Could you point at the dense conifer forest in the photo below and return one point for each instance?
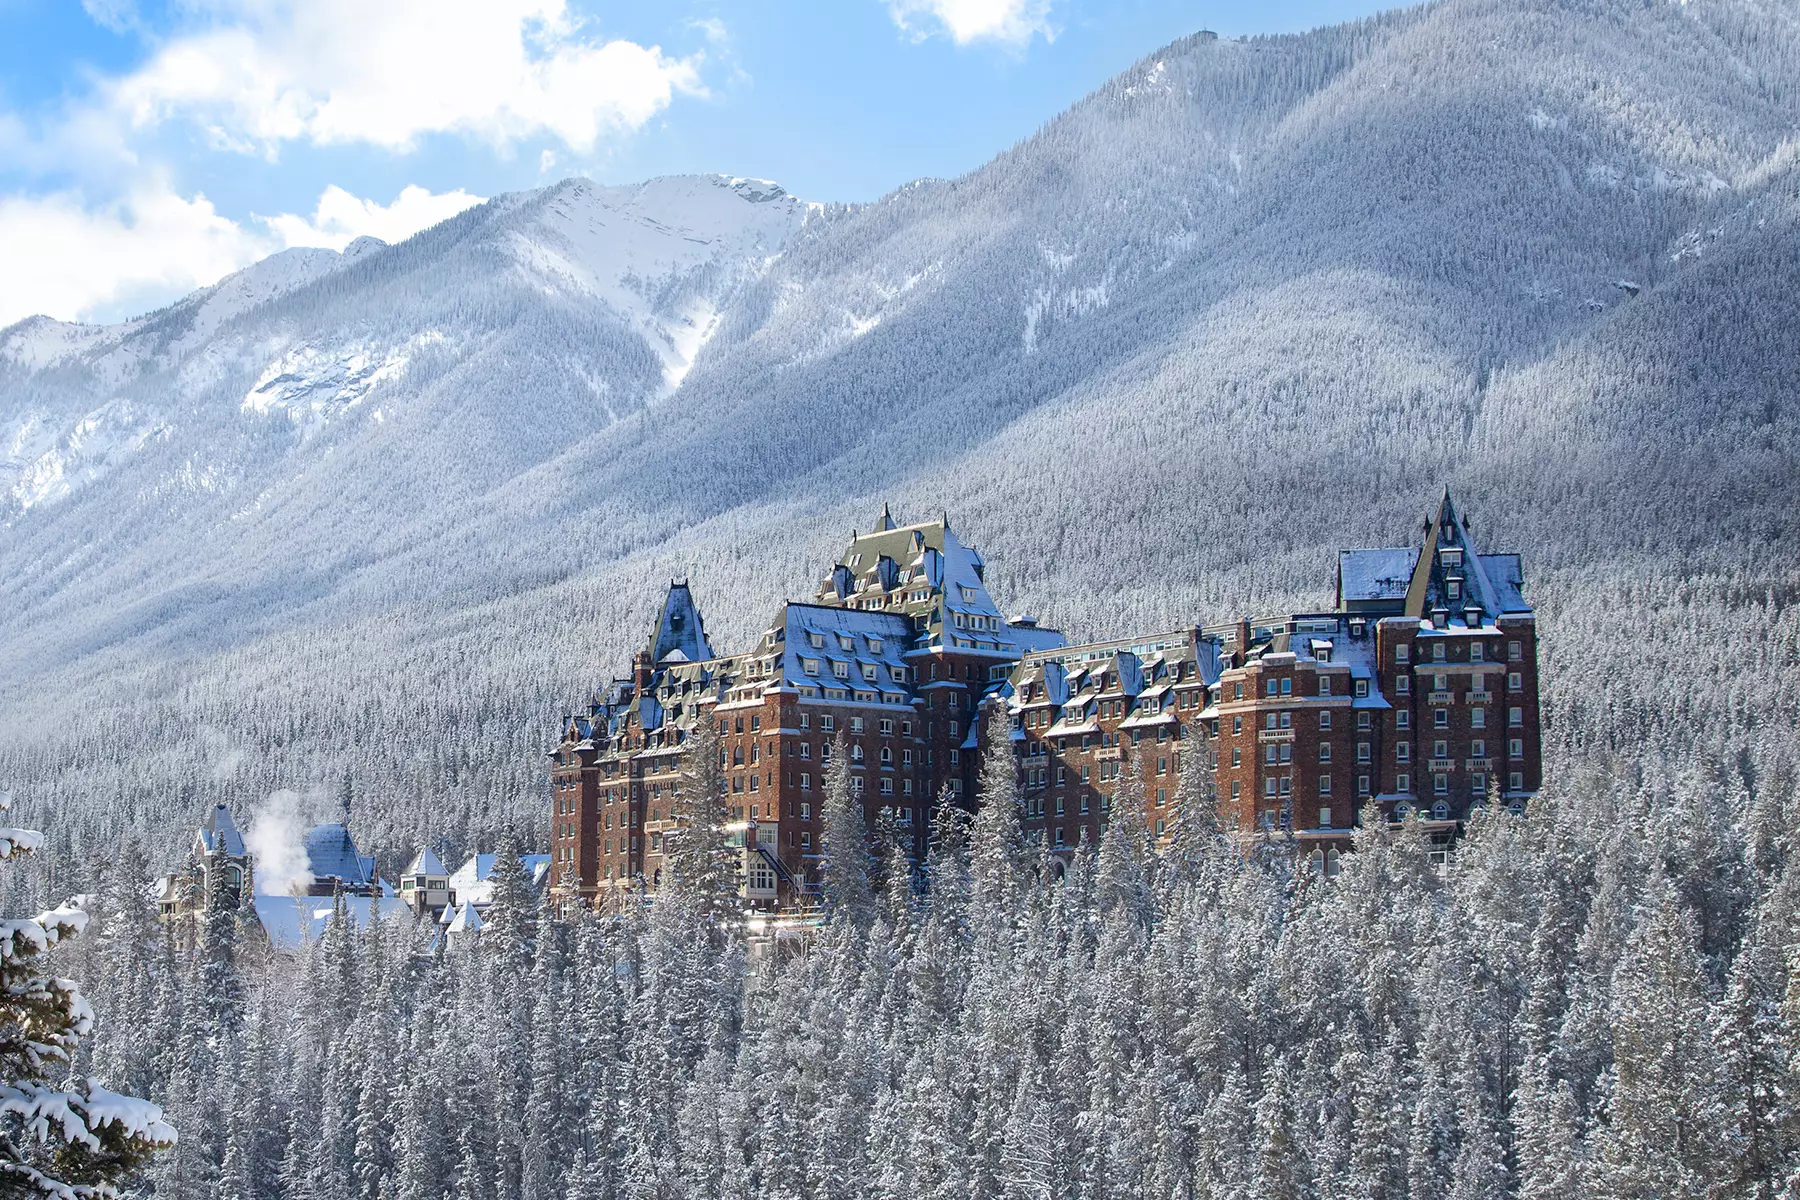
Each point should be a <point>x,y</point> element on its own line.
<point>1251,302</point>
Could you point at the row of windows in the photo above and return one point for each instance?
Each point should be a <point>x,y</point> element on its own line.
<point>1515,652</point>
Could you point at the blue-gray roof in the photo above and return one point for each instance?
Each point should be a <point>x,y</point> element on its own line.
<point>331,854</point>
<point>1373,575</point>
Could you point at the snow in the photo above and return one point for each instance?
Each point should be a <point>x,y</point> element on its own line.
<point>293,921</point>
<point>19,841</point>
<point>314,385</point>
<point>644,250</point>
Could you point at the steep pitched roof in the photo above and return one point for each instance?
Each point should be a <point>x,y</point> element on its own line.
<point>331,854</point>
<point>219,835</point>
<point>680,633</point>
<point>425,863</point>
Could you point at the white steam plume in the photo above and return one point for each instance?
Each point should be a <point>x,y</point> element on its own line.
<point>276,841</point>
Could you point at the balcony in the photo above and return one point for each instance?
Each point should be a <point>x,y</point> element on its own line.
<point>1481,697</point>
<point>1441,698</point>
<point>1109,754</point>
<point>1274,735</point>
<point>1478,764</point>
<point>1440,766</point>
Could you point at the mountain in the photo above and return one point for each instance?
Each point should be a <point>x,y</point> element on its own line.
<point>372,526</point>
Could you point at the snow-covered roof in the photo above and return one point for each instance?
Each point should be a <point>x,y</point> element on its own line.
<point>466,920</point>
<point>473,881</point>
<point>425,862</point>
<point>1366,576</point>
<point>219,835</point>
<point>877,640</point>
<point>292,921</point>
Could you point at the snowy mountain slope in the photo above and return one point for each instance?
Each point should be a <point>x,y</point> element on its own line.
<point>1248,302</point>
<point>307,335</point>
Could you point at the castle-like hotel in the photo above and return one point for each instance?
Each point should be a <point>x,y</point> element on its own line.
<point>1418,691</point>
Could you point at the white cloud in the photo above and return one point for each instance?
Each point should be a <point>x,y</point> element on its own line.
<point>1014,22</point>
<point>74,261</point>
<point>388,73</point>
<point>68,261</point>
<point>341,218</point>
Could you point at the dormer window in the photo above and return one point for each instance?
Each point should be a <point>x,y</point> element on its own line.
<point>1454,588</point>
<point>846,642</point>
<point>1452,558</point>
<point>815,639</point>
<point>1472,616</point>
<point>1440,618</point>
<point>874,645</point>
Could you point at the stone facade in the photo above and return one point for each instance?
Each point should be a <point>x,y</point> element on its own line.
<point>1417,691</point>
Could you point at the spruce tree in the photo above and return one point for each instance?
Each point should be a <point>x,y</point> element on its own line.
<point>848,896</point>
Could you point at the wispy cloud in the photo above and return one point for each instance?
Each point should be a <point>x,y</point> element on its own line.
<point>1011,22</point>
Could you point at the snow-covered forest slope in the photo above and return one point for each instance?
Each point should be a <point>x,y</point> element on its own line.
<point>365,525</point>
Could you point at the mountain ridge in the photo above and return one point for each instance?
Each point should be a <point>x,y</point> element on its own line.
<point>1248,301</point>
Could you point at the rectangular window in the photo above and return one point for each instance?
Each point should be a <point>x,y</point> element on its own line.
<point>1287,752</point>
<point>1324,785</point>
<point>1517,780</point>
<point>1362,752</point>
<point>1437,651</point>
<point>1439,750</point>
<point>1271,687</point>
<point>828,722</point>
<point>1440,718</point>
<point>1237,692</point>
<point>1515,715</point>
<point>810,665</point>
<point>1235,789</point>
<point>1162,797</point>
<point>1287,687</point>
<point>1516,747</point>
<point>1478,718</point>
<point>1478,749</point>
<point>1324,752</point>
<point>1403,684</point>
<point>1514,651</point>
<point>1269,755</point>
<point>1402,720</point>
<point>1269,786</point>
<point>1237,724</point>
<point>1236,757</point>
<point>1402,652</point>
<point>805,784</point>
<point>1514,681</point>
<point>1324,818</point>
<point>1324,720</point>
<point>1440,784</point>
<point>1403,782</point>
<point>1477,652</point>
<point>887,727</point>
<point>1362,785</point>
<point>1324,685</point>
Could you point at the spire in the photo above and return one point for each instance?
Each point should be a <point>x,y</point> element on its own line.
<point>887,520</point>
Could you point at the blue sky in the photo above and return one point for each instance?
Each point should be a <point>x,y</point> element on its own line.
<point>148,147</point>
